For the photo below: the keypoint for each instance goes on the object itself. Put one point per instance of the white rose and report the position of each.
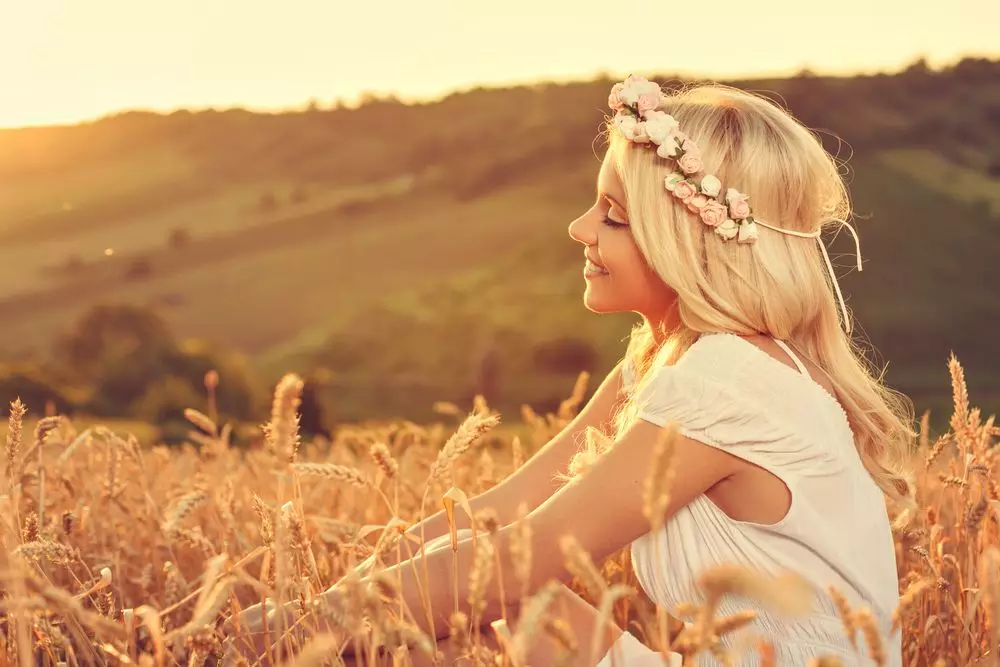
(748, 232)
(732, 194)
(668, 148)
(630, 94)
(660, 126)
(626, 125)
(652, 88)
(728, 229)
(711, 186)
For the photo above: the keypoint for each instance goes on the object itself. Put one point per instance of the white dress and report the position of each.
(727, 393)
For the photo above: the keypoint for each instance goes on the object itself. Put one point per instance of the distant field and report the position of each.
(414, 238)
(279, 289)
(217, 216)
(937, 173)
(257, 293)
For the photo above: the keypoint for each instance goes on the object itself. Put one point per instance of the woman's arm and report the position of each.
(602, 509)
(535, 481)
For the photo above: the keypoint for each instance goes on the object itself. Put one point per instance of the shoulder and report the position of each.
(721, 358)
(719, 389)
(718, 357)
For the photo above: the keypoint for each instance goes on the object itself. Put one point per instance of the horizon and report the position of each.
(436, 96)
(116, 57)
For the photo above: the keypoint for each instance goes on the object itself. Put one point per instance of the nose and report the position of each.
(582, 230)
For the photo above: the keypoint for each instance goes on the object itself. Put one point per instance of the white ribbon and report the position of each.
(826, 256)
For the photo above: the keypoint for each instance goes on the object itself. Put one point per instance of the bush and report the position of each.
(237, 396)
(132, 362)
(139, 269)
(165, 400)
(34, 387)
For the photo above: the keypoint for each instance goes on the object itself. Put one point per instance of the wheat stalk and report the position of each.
(580, 565)
(656, 490)
(873, 639)
(332, 471)
(474, 426)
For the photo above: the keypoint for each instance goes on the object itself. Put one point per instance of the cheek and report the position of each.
(631, 285)
(653, 289)
(630, 268)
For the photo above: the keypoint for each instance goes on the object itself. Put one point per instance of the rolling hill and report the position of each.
(396, 247)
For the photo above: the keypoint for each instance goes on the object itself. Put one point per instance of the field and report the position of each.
(119, 553)
(360, 294)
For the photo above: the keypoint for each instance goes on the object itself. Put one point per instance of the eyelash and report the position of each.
(613, 224)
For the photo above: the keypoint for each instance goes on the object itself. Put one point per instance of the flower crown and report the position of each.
(638, 117)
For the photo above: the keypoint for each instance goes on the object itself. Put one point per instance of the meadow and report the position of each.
(120, 553)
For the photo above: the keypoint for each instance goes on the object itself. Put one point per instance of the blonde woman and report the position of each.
(710, 202)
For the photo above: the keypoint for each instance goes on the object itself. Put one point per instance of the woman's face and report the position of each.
(618, 278)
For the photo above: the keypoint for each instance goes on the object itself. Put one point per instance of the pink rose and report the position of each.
(615, 100)
(690, 163)
(696, 203)
(685, 190)
(713, 214)
(739, 209)
(648, 102)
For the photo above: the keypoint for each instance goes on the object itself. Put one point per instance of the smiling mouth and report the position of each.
(592, 269)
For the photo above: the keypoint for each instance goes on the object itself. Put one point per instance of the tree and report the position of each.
(139, 269)
(34, 386)
(312, 418)
(299, 194)
(179, 237)
(111, 332)
(267, 202)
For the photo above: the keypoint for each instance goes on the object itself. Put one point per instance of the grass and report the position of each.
(937, 173)
(141, 553)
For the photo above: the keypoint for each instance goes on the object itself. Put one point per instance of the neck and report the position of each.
(665, 323)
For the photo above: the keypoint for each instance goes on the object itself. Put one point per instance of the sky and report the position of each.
(65, 61)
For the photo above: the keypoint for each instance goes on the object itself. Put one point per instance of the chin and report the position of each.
(596, 304)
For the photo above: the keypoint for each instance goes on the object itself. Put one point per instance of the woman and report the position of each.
(707, 219)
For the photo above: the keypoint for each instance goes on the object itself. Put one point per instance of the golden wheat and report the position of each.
(119, 554)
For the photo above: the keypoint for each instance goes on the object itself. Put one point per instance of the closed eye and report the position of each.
(613, 223)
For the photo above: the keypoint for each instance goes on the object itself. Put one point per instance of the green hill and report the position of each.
(420, 252)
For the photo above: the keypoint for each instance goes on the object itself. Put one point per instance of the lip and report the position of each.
(591, 260)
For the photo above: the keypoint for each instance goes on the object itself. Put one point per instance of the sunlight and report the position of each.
(78, 61)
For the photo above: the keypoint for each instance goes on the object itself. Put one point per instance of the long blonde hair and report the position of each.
(779, 286)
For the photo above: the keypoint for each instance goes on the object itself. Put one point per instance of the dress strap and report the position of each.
(795, 358)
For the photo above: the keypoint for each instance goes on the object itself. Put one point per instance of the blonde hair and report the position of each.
(779, 286)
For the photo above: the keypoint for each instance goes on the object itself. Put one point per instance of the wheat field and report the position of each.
(120, 553)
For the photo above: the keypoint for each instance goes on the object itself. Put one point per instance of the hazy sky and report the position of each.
(68, 60)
